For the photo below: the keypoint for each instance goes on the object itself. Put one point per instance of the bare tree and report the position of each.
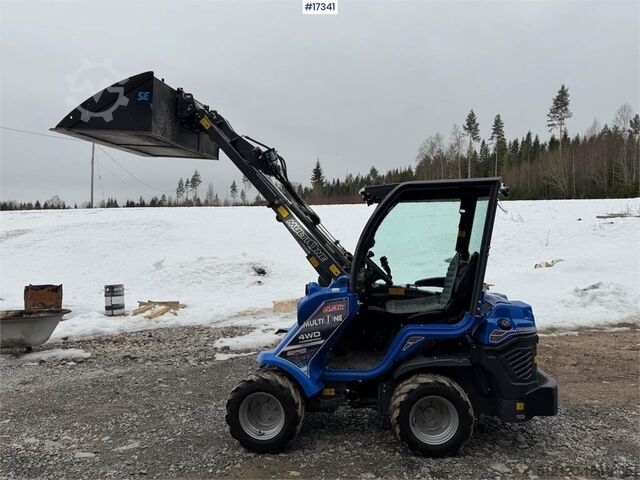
(435, 151)
(209, 197)
(621, 122)
(422, 159)
(624, 114)
(556, 174)
(455, 142)
(431, 151)
(594, 129)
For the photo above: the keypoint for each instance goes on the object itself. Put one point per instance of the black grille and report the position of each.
(521, 363)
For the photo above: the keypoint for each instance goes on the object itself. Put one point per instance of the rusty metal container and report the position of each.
(42, 296)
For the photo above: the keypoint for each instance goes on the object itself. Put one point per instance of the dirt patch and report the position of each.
(595, 367)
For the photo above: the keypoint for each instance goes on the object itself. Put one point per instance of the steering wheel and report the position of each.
(378, 273)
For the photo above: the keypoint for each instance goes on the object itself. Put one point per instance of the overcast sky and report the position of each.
(361, 88)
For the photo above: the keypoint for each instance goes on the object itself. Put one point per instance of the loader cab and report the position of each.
(422, 256)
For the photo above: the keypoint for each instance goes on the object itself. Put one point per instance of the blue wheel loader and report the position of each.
(403, 325)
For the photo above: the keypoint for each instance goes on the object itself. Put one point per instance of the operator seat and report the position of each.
(432, 303)
(459, 295)
(455, 296)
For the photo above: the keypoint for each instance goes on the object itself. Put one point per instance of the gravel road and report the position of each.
(151, 404)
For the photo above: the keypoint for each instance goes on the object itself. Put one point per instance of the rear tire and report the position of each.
(265, 412)
(431, 415)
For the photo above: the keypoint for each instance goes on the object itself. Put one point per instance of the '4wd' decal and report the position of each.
(314, 332)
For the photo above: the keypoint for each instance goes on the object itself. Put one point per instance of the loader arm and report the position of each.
(260, 164)
(143, 115)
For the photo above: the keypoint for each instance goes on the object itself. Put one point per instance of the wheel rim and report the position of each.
(434, 420)
(261, 416)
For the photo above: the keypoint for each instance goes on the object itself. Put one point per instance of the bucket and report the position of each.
(114, 300)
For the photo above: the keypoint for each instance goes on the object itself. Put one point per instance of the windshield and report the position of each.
(419, 240)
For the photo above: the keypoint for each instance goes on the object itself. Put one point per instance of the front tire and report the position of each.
(265, 412)
(431, 414)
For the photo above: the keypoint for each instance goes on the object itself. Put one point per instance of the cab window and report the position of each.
(419, 239)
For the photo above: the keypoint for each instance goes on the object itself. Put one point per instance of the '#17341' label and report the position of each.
(319, 8)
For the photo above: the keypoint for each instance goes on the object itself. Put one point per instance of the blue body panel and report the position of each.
(499, 309)
(409, 339)
(310, 378)
(487, 328)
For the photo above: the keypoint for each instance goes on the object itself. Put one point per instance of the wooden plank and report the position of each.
(142, 309)
(158, 312)
(169, 303)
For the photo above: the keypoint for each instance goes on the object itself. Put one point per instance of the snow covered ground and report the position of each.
(204, 257)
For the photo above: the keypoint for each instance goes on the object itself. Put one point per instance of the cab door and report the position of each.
(423, 252)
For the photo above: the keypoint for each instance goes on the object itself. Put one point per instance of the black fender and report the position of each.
(422, 362)
(416, 364)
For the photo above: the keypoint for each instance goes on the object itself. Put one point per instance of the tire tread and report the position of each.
(282, 383)
(406, 387)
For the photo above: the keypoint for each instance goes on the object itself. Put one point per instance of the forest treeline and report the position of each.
(602, 162)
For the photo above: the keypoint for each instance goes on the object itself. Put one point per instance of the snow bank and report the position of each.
(204, 257)
(258, 339)
(226, 356)
(56, 354)
(598, 281)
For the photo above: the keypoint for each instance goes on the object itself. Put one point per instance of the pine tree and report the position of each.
(246, 183)
(208, 198)
(195, 182)
(499, 142)
(536, 147)
(634, 131)
(634, 125)
(374, 175)
(317, 178)
(179, 191)
(472, 130)
(559, 113)
(187, 190)
(513, 152)
(243, 197)
(484, 157)
(234, 192)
